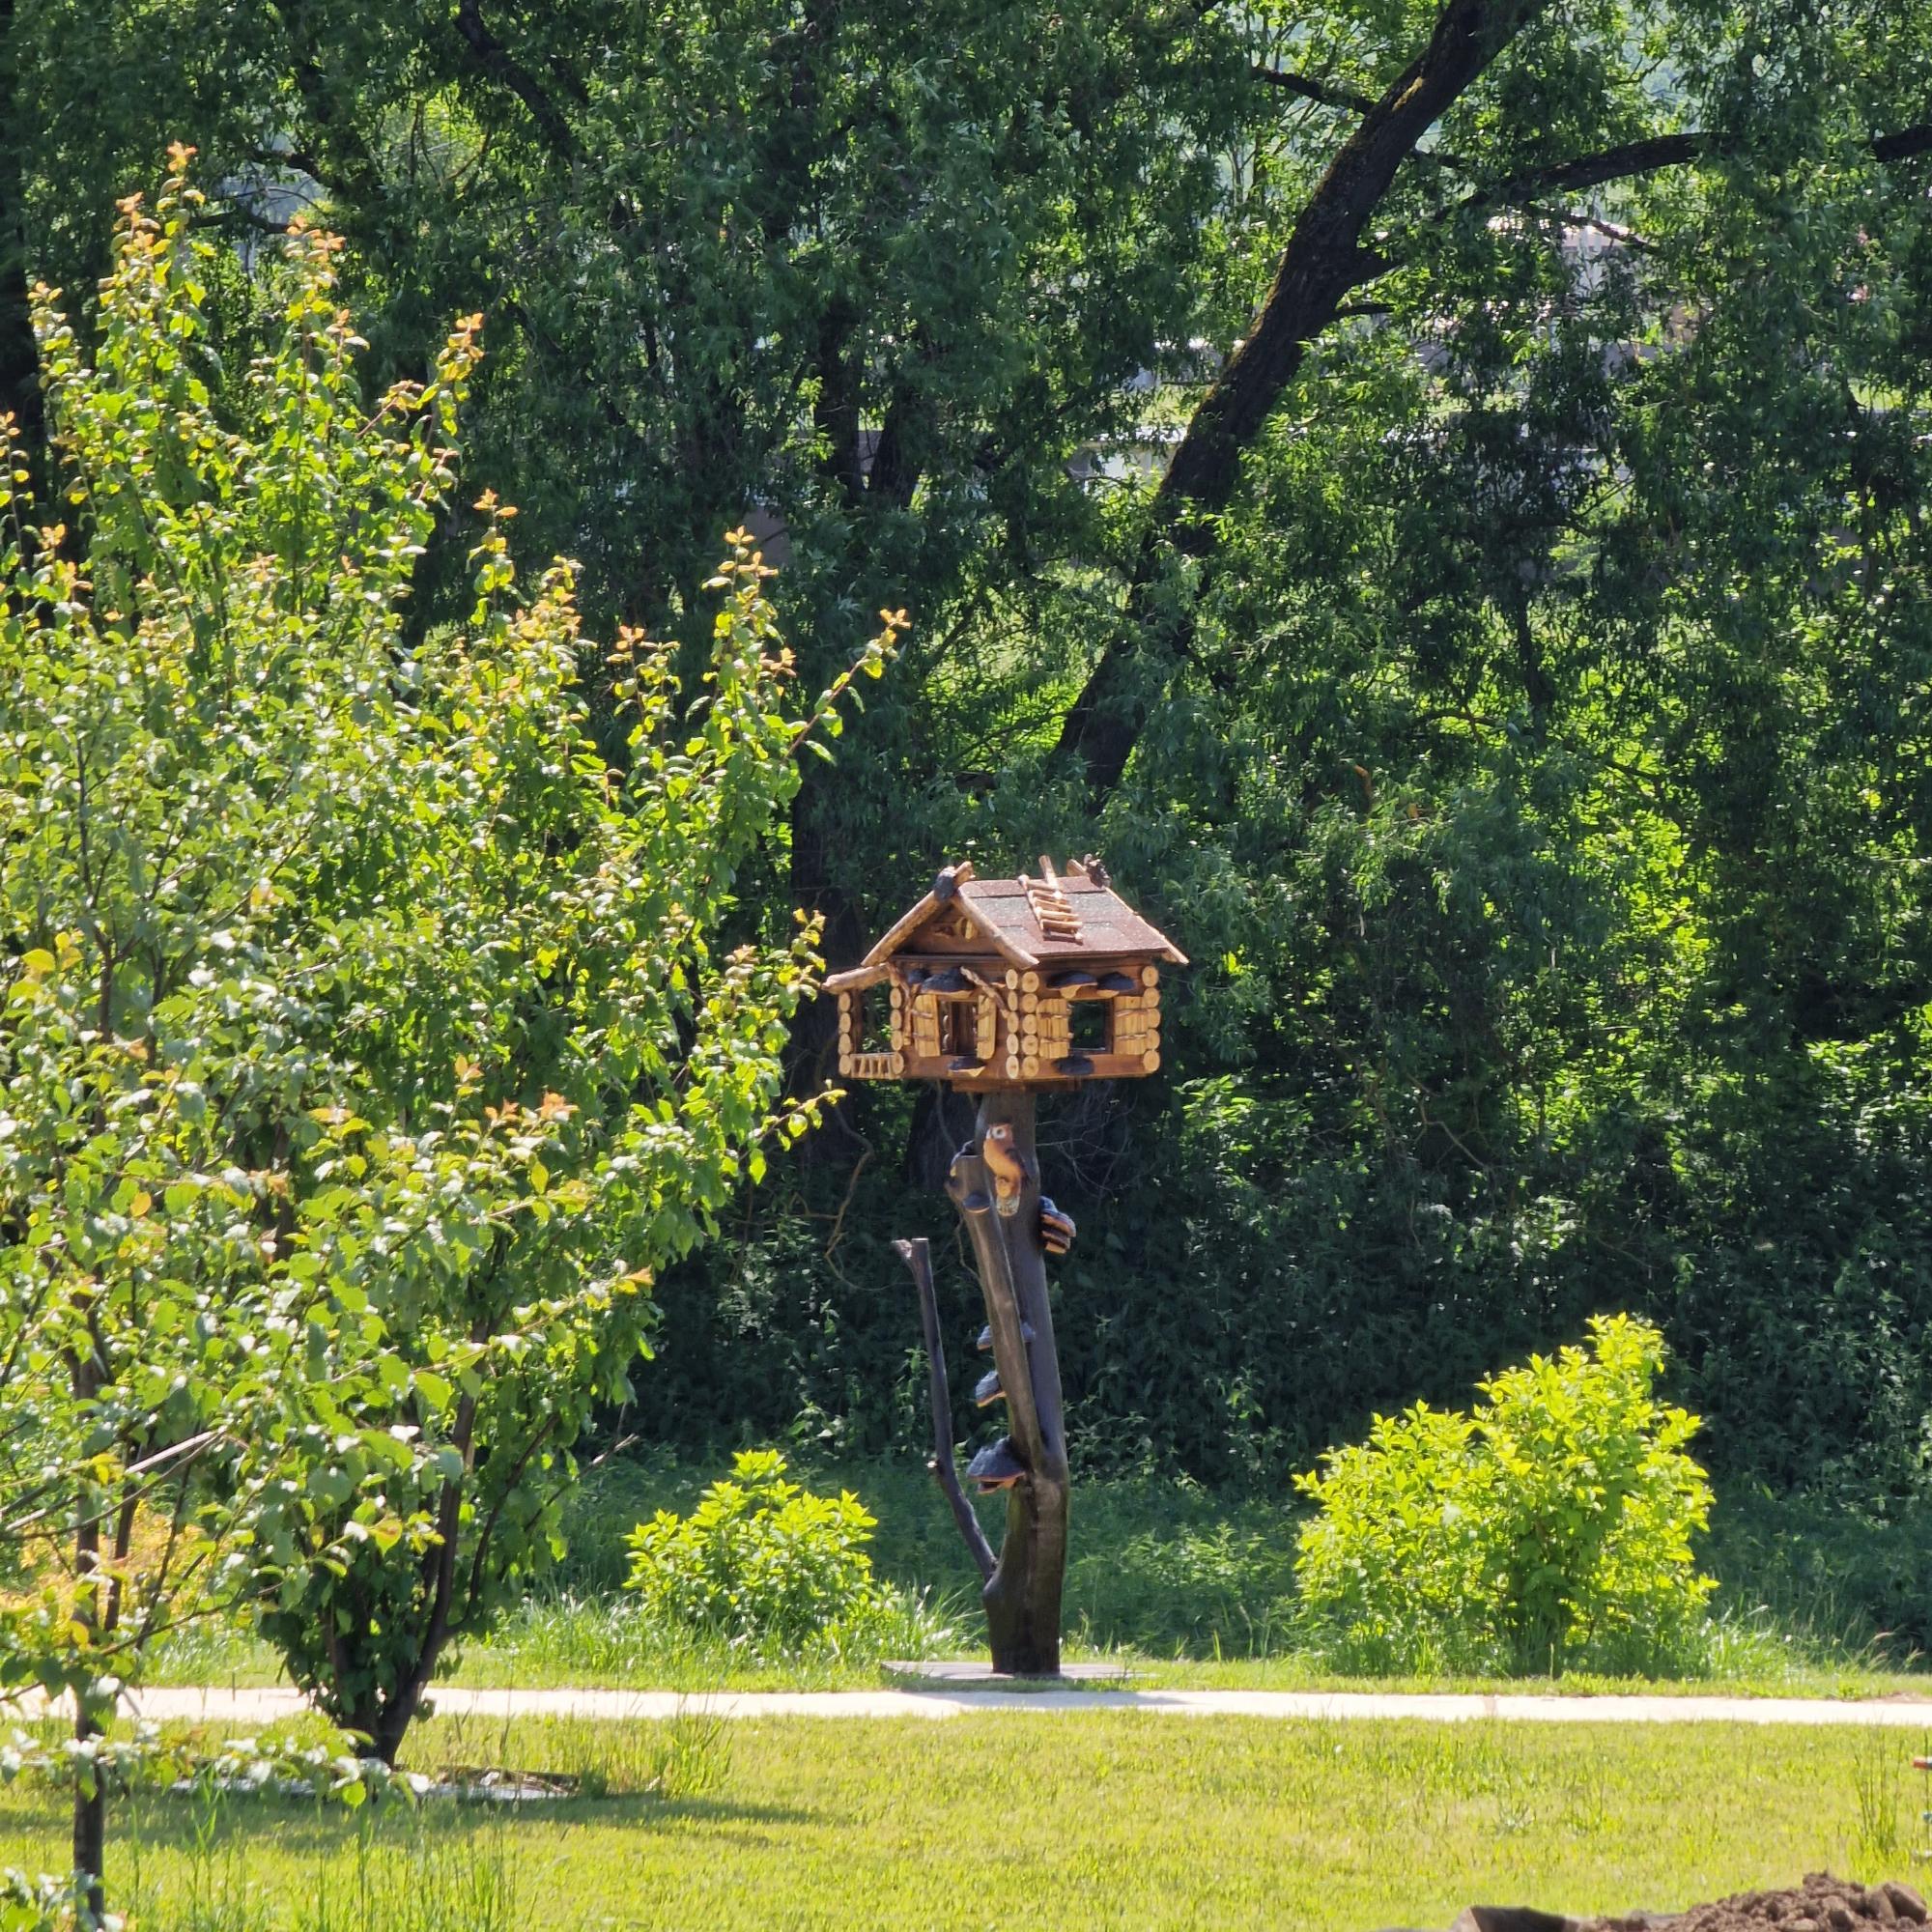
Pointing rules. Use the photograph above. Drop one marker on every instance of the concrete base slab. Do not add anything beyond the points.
(952, 1674)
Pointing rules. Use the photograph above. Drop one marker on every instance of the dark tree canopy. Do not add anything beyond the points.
(1434, 493)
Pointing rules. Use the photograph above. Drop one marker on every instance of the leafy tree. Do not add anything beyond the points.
(370, 1039)
(156, 1341)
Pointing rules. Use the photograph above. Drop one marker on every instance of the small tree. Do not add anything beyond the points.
(367, 1039)
(154, 1337)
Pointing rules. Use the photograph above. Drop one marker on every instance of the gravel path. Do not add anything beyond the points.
(215, 1705)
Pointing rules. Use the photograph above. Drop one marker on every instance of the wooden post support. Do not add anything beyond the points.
(1022, 1594)
(918, 1258)
(983, 977)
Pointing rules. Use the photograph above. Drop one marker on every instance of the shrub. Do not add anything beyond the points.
(1550, 1526)
(764, 1564)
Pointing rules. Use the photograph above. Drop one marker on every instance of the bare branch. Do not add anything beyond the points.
(1323, 92)
(496, 61)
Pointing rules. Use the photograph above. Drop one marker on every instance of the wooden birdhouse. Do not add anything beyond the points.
(996, 982)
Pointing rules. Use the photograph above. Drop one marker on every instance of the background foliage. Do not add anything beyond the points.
(1520, 710)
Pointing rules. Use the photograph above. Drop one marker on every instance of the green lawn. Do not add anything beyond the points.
(1189, 1588)
(594, 1646)
(1087, 1820)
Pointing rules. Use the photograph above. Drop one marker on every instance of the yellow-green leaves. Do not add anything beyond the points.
(1551, 1525)
(370, 1042)
(762, 1563)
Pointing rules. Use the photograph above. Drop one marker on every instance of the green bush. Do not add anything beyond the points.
(1549, 1528)
(763, 1564)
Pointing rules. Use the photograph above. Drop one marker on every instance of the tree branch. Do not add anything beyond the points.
(1325, 93)
(1588, 171)
(496, 61)
(489, 1529)
(1325, 260)
(1649, 156)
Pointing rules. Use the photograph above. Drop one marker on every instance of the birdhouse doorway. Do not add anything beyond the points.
(959, 1030)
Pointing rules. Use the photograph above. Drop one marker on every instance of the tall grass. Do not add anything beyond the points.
(416, 1880)
(447, 1865)
(1161, 1569)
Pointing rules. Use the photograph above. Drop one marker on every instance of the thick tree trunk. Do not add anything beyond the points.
(387, 1730)
(1324, 259)
(1022, 1595)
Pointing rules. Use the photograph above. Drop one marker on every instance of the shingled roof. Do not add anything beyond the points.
(1009, 912)
(1004, 911)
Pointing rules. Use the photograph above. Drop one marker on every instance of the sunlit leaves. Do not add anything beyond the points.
(1550, 1524)
(368, 1043)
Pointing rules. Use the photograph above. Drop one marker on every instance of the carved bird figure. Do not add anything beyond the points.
(1003, 1163)
(997, 1466)
(1056, 1228)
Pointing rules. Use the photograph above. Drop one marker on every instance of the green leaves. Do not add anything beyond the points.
(368, 1043)
(1551, 1525)
(761, 1563)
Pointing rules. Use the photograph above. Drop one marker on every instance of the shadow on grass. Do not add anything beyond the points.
(167, 1822)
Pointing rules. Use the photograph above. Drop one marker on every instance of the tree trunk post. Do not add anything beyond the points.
(90, 1829)
(1022, 1595)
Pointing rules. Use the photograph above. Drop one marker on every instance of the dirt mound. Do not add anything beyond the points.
(1820, 1904)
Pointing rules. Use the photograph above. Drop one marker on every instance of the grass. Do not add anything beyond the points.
(1089, 1820)
(1187, 1588)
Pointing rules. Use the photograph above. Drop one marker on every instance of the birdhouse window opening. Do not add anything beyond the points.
(875, 1020)
(1090, 1026)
